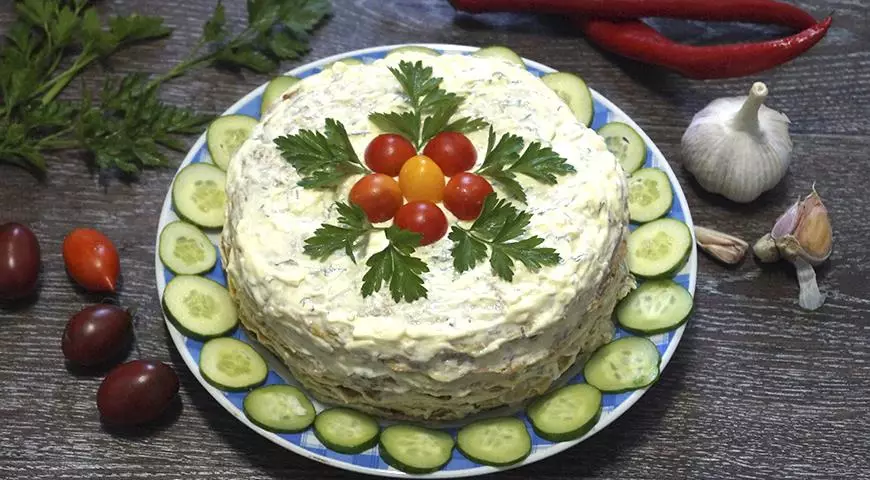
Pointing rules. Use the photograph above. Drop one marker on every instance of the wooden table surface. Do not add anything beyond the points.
(758, 388)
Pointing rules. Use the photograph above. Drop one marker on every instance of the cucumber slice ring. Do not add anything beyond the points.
(414, 449)
(413, 49)
(625, 364)
(279, 408)
(199, 195)
(345, 430)
(659, 249)
(650, 195)
(274, 89)
(566, 413)
(232, 365)
(225, 135)
(199, 308)
(185, 250)
(656, 306)
(496, 442)
(574, 92)
(501, 53)
(625, 144)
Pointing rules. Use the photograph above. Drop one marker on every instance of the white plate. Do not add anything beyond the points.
(369, 462)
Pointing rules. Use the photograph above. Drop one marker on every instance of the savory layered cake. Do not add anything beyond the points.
(382, 309)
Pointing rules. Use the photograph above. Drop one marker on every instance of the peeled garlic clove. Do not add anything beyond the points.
(724, 247)
(738, 147)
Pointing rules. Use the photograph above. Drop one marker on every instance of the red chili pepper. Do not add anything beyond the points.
(757, 11)
(637, 40)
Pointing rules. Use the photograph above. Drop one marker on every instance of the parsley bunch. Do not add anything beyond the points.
(126, 126)
(431, 107)
(503, 162)
(496, 231)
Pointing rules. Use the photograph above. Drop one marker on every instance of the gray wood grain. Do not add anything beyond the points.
(757, 389)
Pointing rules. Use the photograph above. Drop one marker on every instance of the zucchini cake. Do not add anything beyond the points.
(468, 337)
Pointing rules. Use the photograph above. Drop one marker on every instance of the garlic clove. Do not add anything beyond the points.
(724, 247)
(787, 222)
(738, 147)
(814, 232)
(766, 250)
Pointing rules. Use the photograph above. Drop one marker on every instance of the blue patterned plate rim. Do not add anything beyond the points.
(369, 462)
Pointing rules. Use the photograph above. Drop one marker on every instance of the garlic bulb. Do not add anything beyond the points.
(738, 147)
(803, 236)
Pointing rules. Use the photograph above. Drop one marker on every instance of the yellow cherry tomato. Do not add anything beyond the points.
(421, 179)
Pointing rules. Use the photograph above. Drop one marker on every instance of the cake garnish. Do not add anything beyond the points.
(329, 239)
(431, 107)
(497, 230)
(322, 159)
(395, 265)
(503, 161)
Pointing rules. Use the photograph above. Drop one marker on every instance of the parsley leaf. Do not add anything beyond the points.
(431, 107)
(330, 238)
(503, 161)
(498, 227)
(322, 159)
(396, 265)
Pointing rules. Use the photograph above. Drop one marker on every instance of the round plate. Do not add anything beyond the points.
(306, 444)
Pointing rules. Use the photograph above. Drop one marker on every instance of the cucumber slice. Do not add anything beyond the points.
(274, 90)
(346, 431)
(225, 135)
(199, 196)
(654, 307)
(185, 250)
(625, 144)
(650, 195)
(566, 413)
(574, 92)
(622, 365)
(199, 308)
(279, 408)
(349, 61)
(414, 449)
(501, 53)
(659, 249)
(413, 49)
(232, 365)
(495, 441)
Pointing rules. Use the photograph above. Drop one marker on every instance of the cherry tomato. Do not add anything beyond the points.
(19, 261)
(452, 151)
(421, 179)
(422, 217)
(91, 260)
(464, 195)
(378, 195)
(388, 152)
(97, 334)
(136, 392)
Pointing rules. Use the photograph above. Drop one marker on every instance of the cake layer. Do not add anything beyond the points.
(476, 341)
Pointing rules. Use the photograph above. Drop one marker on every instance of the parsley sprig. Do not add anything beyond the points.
(126, 126)
(395, 265)
(504, 161)
(496, 231)
(431, 107)
(322, 159)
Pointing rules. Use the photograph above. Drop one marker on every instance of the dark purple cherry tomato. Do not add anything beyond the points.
(19, 261)
(97, 334)
(136, 392)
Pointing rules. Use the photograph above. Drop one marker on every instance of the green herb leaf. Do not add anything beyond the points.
(503, 161)
(396, 265)
(322, 159)
(498, 227)
(431, 107)
(330, 238)
(215, 27)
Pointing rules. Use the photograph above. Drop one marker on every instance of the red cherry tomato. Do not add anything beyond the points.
(452, 151)
(19, 261)
(421, 179)
(136, 392)
(464, 195)
(424, 218)
(378, 195)
(388, 152)
(91, 260)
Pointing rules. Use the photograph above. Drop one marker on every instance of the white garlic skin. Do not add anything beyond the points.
(738, 147)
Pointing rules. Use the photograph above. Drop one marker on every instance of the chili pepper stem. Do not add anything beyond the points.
(747, 118)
